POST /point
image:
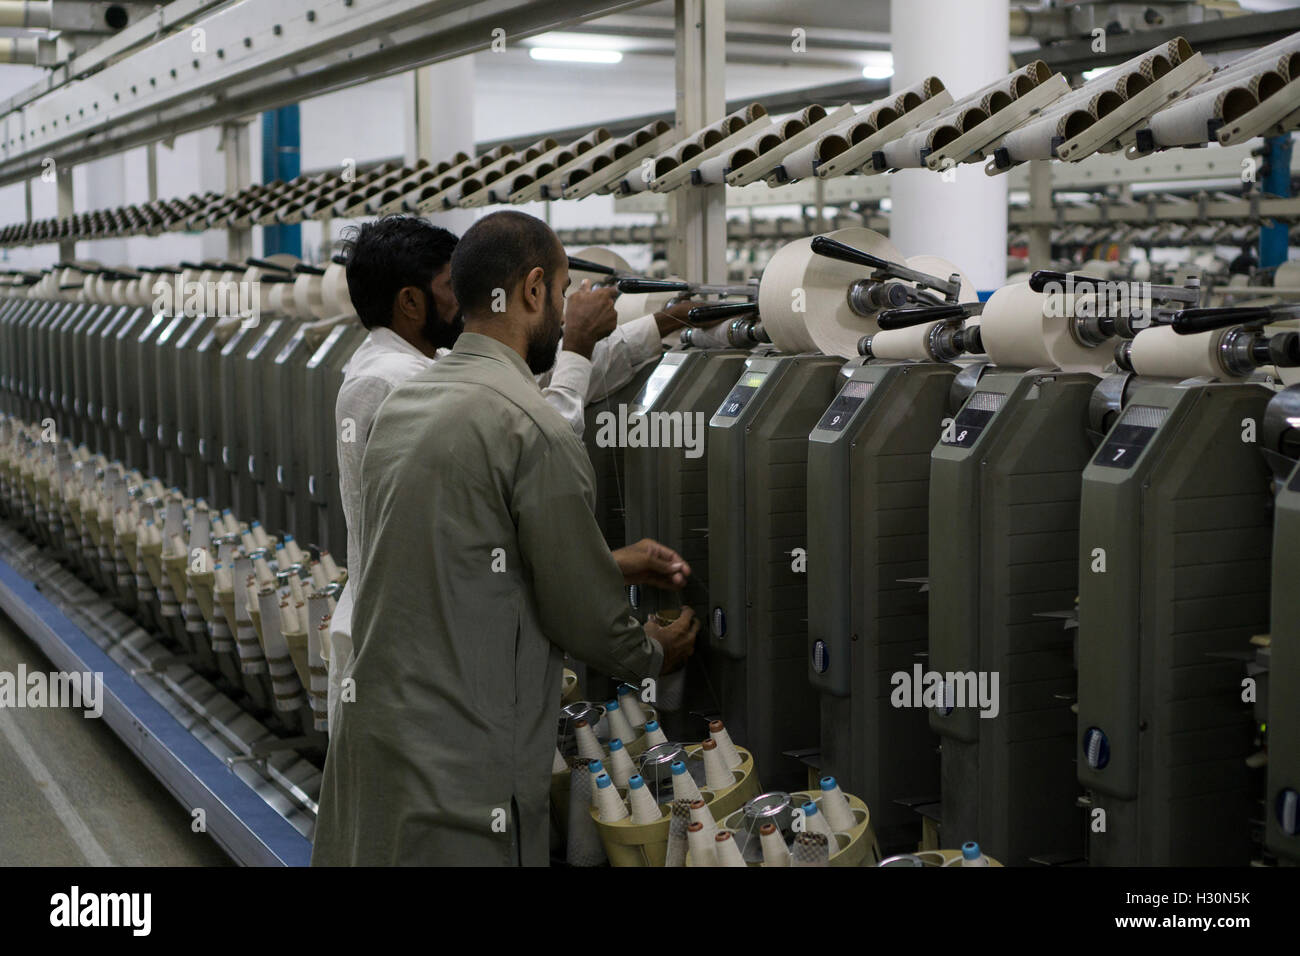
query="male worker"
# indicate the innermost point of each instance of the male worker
(399, 282)
(480, 561)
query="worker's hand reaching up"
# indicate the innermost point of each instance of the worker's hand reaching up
(677, 639)
(651, 563)
(589, 316)
(673, 315)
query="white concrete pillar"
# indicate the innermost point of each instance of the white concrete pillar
(440, 121)
(966, 45)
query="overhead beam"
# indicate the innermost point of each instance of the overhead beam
(258, 56)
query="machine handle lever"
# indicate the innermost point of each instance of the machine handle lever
(1192, 321)
(653, 285)
(586, 265)
(721, 310)
(906, 318)
(834, 249)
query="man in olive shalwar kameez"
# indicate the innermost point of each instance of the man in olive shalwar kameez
(482, 562)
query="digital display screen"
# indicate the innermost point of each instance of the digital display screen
(744, 390)
(851, 396)
(653, 387)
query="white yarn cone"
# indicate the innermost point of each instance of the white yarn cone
(617, 720)
(609, 805)
(716, 774)
(644, 807)
(557, 764)
(835, 806)
(701, 846)
(775, 852)
(331, 569)
(588, 746)
(594, 769)
(294, 552)
(684, 787)
(318, 577)
(815, 822)
(718, 733)
(620, 764)
(631, 704)
(700, 814)
(971, 855)
(726, 850)
(653, 735)
(259, 534)
(582, 846)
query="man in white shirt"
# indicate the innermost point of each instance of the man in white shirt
(399, 280)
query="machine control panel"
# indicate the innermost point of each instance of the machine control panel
(848, 401)
(744, 390)
(1132, 433)
(973, 418)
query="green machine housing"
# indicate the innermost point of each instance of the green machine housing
(1282, 801)
(758, 588)
(868, 532)
(1004, 527)
(1176, 502)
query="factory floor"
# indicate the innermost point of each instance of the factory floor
(71, 794)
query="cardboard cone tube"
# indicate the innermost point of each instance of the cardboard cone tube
(653, 735)
(620, 764)
(775, 852)
(608, 803)
(557, 764)
(716, 774)
(331, 569)
(718, 732)
(701, 846)
(684, 787)
(726, 850)
(644, 807)
(588, 745)
(810, 849)
(618, 723)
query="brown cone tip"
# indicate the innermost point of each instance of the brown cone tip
(580, 723)
(697, 804)
(709, 744)
(767, 828)
(695, 827)
(722, 837)
(715, 726)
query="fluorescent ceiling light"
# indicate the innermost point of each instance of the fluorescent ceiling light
(575, 56)
(878, 66)
(578, 41)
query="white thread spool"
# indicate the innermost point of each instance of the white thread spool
(653, 734)
(557, 763)
(630, 703)
(716, 774)
(700, 845)
(645, 809)
(775, 852)
(1160, 352)
(726, 850)
(588, 746)
(797, 276)
(1018, 332)
(609, 805)
(620, 764)
(835, 806)
(815, 822)
(684, 787)
(618, 722)
(720, 736)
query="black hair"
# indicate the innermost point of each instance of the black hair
(498, 252)
(387, 255)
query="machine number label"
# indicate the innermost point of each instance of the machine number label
(744, 390)
(850, 398)
(1132, 433)
(967, 426)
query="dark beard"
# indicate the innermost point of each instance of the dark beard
(542, 343)
(440, 334)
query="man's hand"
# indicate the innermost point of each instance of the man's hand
(589, 316)
(677, 639)
(649, 562)
(673, 315)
